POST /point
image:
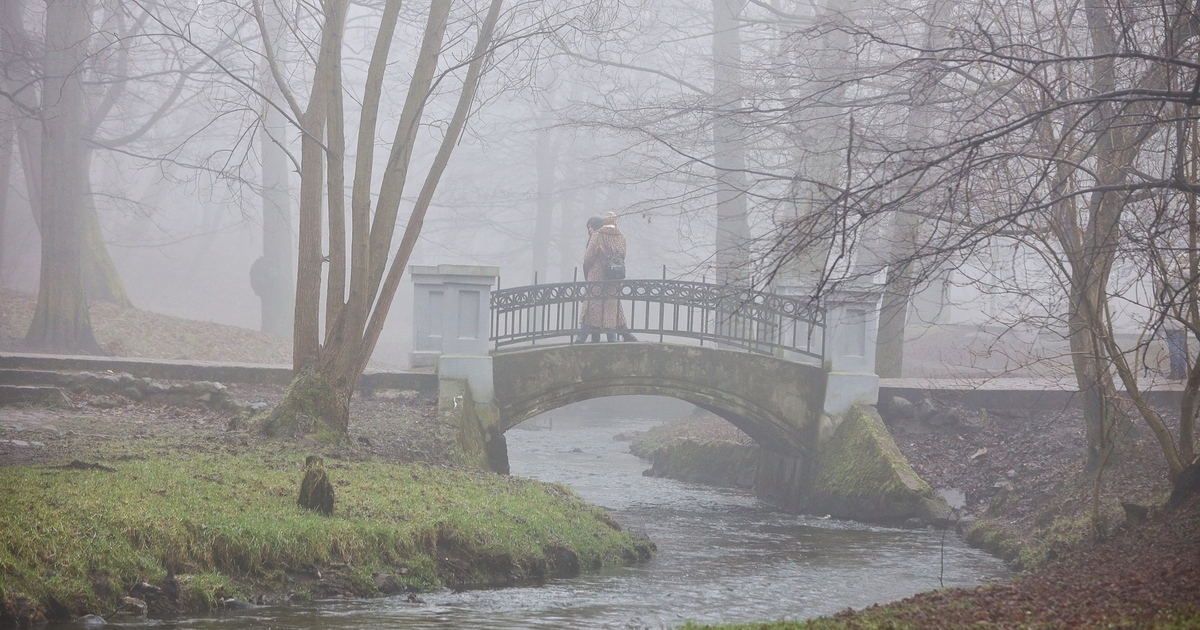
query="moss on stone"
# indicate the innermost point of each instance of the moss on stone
(311, 406)
(995, 538)
(714, 463)
(862, 459)
(861, 474)
(479, 442)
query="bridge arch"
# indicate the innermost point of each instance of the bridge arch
(777, 403)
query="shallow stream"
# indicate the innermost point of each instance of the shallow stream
(722, 557)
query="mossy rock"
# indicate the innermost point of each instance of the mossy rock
(310, 407)
(713, 463)
(479, 442)
(861, 474)
(995, 538)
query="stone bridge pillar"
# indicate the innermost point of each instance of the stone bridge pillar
(451, 330)
(452, 311)
(852, 320)
(855, 470)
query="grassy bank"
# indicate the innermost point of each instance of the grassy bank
(223, 523)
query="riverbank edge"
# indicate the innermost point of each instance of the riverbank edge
(859, 475)
(243, 541)
(1143, 576)
(719, 460)
(1038, 550)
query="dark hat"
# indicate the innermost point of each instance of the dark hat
(595, 223)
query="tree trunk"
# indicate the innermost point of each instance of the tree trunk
(1114, 148)
(311, 405)
(61, 322)
(100, 278)
(306, 334)
(819, 139)
(893, 317)
(7, 140)
(1104, 420)
(919, 131)
(729, 154)
(547, 166)
(278, 290)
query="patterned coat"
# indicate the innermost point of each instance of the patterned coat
(606, 311)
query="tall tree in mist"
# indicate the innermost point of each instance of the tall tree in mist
(21, 76)
(271, 275)
(361, 283)
(62, 86)
(920, 122)
(1056, 128)
(729, 160)
(60, 320)
(8, 132)
(548, 149)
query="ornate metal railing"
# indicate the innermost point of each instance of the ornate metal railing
(739, 318)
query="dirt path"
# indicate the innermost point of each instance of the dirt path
(398, 426)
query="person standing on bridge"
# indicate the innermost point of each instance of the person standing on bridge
(605, 251)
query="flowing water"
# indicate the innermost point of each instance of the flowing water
(722, 557)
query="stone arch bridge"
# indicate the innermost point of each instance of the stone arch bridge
(782, 370)
(775, 402)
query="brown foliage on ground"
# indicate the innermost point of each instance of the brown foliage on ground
(1025, 470)
(132, 332)
(1145, 576)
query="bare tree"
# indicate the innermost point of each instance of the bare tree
(61, 321)
(972, 126)
(1051, 124)
(96, 103)
(362, 278)
(101, 280)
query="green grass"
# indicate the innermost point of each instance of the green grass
(230, 523)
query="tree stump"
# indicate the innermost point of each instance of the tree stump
(316, 492)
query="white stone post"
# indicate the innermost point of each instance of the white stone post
(852, 322)
(452, 309)
(452, 316)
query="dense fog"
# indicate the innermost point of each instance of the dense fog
(788, 146)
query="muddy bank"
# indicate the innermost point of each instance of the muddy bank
(702, 449)
(1021, 474)
(1021, 492)
(1014, 477)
